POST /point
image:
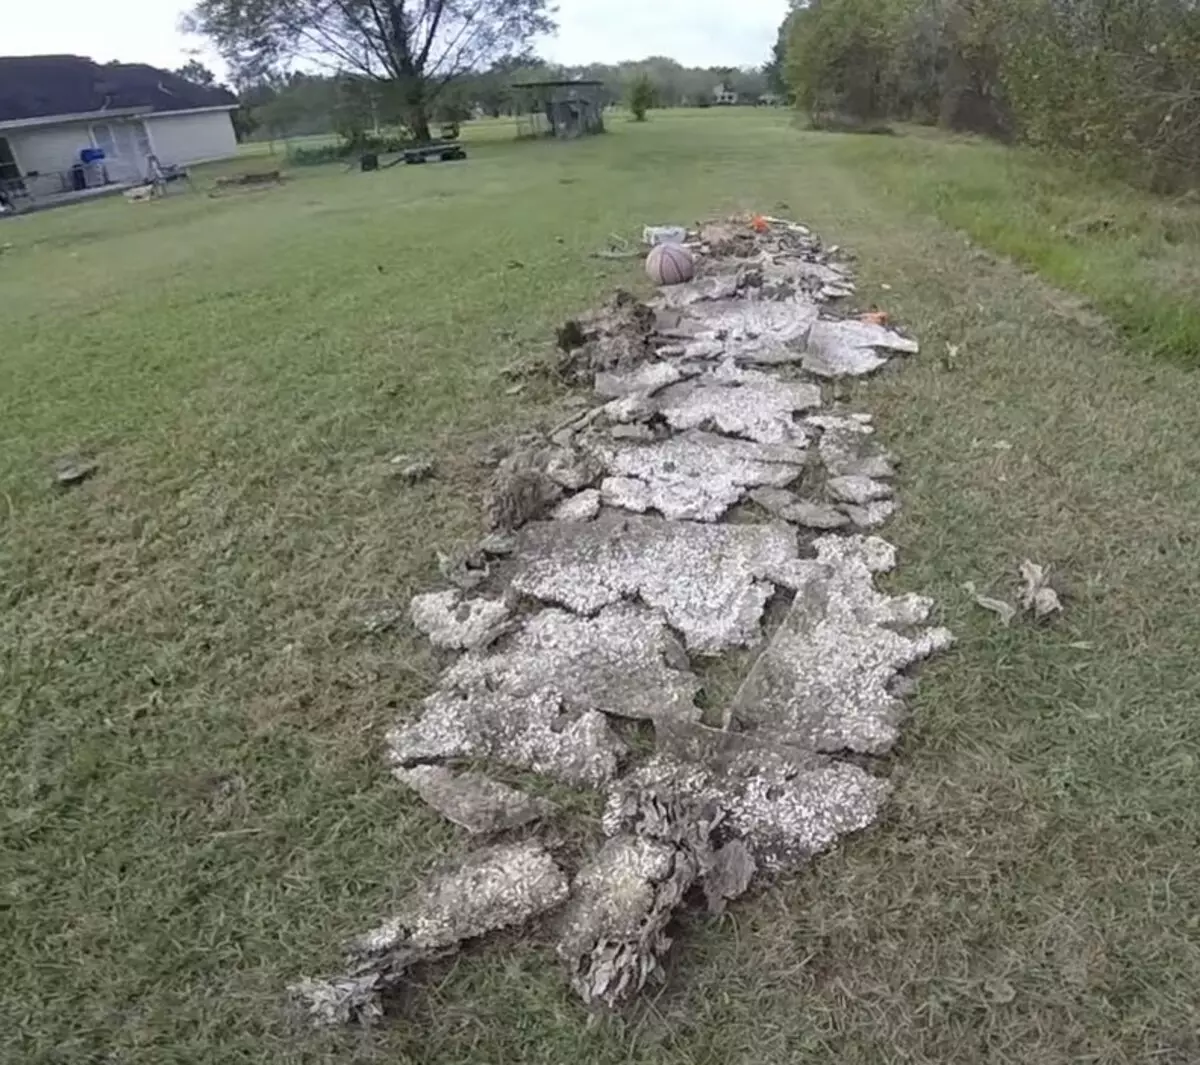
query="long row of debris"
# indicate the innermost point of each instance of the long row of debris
(651, 530)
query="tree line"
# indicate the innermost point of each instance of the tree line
(1115, 80)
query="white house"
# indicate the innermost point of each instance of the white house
(68, 124)
(723, 94)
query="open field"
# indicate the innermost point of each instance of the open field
(196, 810)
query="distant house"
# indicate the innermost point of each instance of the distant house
(723, 95)
(68, 124)
(770, 99)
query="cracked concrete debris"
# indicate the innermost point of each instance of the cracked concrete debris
(492, 888)
(857, 490)
(714, 287)
(741, 403)
(825, 682)
(583, 506)
(852, 348)
(791, 507)
(524, 731)
(623, 661)
(571, 469)
(693, 476)
(451, 621)
(587, 567)
(646, 379)
(872, 515)
(614, 928)
(783, 810)
(471, 800)
(841, 448)
(768, 322)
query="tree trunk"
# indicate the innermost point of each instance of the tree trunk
(418, 122)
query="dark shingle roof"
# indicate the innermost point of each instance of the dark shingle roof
(39, 86)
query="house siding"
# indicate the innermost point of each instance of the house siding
(49, 149)
(183, 139)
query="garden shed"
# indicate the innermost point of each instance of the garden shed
(565, 109)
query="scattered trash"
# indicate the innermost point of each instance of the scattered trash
(69, 472)
(874, 318)
(1037, 596)
(411, 471)
(655, 235)
(1004, 611)
(950, 358)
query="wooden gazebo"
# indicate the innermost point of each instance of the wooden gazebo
(564, 109)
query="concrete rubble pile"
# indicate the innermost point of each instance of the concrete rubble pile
(712, 477)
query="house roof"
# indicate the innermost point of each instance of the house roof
(42, 86)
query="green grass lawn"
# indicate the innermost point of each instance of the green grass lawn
(196, 807)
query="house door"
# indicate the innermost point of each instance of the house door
(126, 149)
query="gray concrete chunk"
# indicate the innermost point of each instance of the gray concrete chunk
(450, 620)
(791, 507)
(475, 802)
(857, 489)
(623, 661)
(824, 682)
(526, 731)
(784, 811)
(696, 476)
(745, 403)
(587, 567)
(583, 506)
(491, 889)
(645, 379)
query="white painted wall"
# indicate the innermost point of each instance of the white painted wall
(48, 149)
(182, 139)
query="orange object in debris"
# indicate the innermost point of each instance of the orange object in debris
(874, 317)
(759, 224)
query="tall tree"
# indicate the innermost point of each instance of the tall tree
(413, 48)
(197, 73)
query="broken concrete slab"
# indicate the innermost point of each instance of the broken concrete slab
(646, 379)
(614, 926)
(741, 403)
(451, 621)
(571, 469)
(472, 801)
(491, 889)
(531, 732)
(857, 489)
(583, 506)
(694, 476)
(587, 567)
(872, 515)
(777, 322)
(791, 507)
(622, 661)
(824, 683)
(784, 811)
(714, 287)
(852, 348)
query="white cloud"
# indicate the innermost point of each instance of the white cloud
(736, 33)
(696, 32)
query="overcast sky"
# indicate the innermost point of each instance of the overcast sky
(696, 32)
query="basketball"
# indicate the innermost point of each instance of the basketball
(670, 264)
